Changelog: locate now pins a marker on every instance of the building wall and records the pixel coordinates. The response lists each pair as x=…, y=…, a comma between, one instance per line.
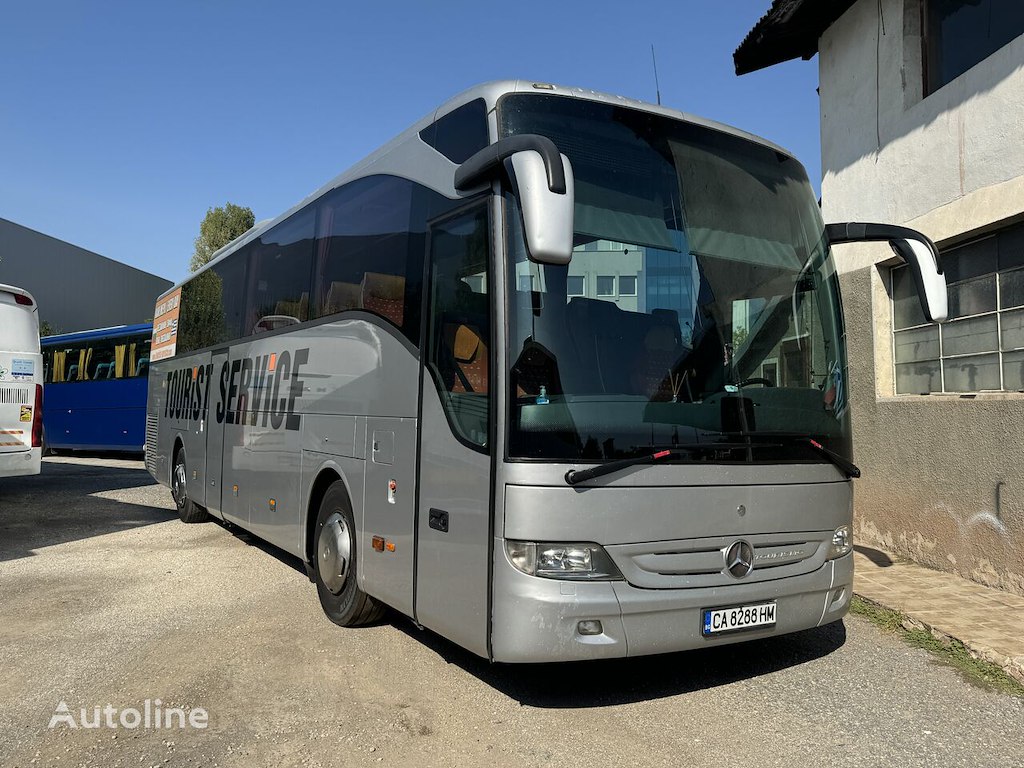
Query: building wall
x=76, y=289
x=943, y=474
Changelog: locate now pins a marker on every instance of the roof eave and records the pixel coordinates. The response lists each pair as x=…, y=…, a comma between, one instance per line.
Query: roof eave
x=790, y=29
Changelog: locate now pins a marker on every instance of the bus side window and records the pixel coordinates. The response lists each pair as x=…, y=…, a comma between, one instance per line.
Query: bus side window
x=280, y=271
x=102, y=361
x=369, y=255
x=461, y=133
x=459, y=341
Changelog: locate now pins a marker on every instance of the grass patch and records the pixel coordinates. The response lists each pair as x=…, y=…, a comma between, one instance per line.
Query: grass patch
x=950, y=652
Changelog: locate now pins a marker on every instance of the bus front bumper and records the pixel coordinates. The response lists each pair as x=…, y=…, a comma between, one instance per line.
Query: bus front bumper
x=538, y=620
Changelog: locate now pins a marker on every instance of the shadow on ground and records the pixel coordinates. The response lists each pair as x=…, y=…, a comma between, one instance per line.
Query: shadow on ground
x=880, y=559
x=612, y=682
x=255, y=541
x=624, y=681
x=68, y=502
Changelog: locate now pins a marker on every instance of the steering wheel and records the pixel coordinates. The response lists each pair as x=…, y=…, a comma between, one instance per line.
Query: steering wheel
x=756, y=380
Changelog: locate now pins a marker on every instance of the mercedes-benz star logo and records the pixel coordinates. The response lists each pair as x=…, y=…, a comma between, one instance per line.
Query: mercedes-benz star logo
x=739, y=559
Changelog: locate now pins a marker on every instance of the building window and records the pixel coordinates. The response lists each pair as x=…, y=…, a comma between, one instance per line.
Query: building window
x=981, y=346
x=627, y=285
x=576, y=285
x=960, y=33
x=606, y=285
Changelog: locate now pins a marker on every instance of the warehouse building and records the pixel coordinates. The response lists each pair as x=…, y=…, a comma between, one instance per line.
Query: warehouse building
x=76, y=289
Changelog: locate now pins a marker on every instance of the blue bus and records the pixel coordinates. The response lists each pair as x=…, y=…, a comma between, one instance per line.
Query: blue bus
x=95, y=389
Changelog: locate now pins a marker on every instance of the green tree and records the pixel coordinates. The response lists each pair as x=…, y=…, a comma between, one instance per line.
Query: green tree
x=219, y=227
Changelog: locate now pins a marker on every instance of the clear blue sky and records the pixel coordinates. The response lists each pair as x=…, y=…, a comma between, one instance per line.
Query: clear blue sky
x=121, y=123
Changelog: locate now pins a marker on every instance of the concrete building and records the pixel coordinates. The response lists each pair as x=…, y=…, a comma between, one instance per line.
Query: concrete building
x=922, y=119
x=76, y=289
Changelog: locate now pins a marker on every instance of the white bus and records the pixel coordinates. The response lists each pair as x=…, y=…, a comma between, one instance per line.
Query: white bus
x=21, y=384
x=555, y=374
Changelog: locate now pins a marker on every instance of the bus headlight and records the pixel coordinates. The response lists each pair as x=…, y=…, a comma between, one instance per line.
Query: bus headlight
x=842, y=542
x=562, y=561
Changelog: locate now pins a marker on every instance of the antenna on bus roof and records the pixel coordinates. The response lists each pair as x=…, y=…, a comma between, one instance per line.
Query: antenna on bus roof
x=657, y=88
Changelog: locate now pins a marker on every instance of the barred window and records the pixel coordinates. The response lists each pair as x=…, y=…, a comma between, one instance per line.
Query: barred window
x=981, y=346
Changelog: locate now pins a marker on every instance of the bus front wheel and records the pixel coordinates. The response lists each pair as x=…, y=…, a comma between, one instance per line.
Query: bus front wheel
x=188, y=510
x=334, y=563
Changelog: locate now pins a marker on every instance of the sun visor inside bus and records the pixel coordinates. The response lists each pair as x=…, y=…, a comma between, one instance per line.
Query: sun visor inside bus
x=743, y=248
x=733, y=277
x=748, y=195
x=613, y=215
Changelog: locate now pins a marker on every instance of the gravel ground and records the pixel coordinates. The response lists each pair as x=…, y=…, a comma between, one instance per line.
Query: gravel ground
x=105, y=598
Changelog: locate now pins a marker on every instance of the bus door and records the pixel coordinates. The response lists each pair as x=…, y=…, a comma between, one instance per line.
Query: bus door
x=453, y=521
x=215, y=441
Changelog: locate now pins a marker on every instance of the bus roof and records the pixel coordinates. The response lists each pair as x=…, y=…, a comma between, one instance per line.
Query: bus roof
x=491, y=92
x=112, y=332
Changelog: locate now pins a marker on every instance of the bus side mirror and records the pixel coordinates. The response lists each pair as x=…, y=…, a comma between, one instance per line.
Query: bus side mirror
x=547, y=215
x=913, y=248
x=542, y=180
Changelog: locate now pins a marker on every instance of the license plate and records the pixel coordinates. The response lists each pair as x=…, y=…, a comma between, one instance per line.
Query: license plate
x=720, y=620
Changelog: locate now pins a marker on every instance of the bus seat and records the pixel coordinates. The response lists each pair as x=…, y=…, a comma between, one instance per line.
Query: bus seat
x=623, y=351
x=536, y=367
x=604, y=338
x=463, y=356
x=273, y=322
x=142, y=366
x=101, y=371
x=342, y=296
x=297, y=309
x=653, y=370
x=470, y=354
x=385, y=295
x=72, y=372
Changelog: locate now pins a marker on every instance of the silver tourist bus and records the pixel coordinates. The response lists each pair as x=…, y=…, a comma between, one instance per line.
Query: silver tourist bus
x=555, y=374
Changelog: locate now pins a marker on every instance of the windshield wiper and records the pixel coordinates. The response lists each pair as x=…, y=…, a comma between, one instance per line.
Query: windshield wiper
x=846, y=466
x=574, y=476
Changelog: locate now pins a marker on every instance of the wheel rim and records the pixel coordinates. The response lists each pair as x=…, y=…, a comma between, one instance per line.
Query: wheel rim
x=334, y=552
x=178, y=484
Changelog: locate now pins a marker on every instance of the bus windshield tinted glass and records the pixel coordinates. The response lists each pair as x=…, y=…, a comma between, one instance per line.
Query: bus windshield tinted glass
x=701, y=302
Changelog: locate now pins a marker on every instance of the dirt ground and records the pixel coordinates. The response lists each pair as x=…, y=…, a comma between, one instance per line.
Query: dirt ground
x=106, y=599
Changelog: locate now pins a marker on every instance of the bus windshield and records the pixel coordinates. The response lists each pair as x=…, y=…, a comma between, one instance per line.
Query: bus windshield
x=701, y=305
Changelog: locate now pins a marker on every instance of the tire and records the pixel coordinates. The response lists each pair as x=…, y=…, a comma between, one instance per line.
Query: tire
x=188, y=510
x=334, y=563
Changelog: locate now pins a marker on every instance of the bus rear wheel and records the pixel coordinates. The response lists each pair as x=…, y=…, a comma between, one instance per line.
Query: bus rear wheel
x=334, y=563
x=188, y=510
